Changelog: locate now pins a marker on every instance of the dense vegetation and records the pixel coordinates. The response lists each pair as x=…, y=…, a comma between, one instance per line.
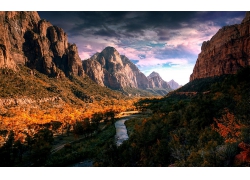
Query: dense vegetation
x=204, y=123
x=33, y=117
x=209, y=127
x=38, y=147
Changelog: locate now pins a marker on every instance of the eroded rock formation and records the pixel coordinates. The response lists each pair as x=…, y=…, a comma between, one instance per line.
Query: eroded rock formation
x=26, y=39
x=226, y=52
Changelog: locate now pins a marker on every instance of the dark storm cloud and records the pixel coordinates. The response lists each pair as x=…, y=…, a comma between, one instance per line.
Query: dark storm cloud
x=106, y=31
x=219, y=17
x=130, y=23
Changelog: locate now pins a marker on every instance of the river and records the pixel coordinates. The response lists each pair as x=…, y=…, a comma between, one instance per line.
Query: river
x=121, y=131
x=121, y=135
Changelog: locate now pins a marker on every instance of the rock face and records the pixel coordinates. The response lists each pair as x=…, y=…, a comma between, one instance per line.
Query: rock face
x=116, y=71
x=113, y=70
x=28, y=101
x=174, y=85
x=26, y=39
x=226, y=52
x=155, y=81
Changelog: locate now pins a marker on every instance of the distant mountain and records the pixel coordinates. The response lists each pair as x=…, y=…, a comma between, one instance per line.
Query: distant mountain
x=225, y=53
x=116, y=71
x=113, y=70
x=174, y=85
x=155, y=81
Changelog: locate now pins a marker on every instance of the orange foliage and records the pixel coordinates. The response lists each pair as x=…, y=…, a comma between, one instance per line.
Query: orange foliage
x=19, y=118
x=227, y=127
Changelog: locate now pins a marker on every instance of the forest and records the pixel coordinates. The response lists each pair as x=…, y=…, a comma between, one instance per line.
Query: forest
x=209, y=127
x=32, y=126
x=204, y=123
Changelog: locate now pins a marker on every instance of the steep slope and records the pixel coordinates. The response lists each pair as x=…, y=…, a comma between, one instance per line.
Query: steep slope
x=37, y=64
x=226, y=52
x=113, y=70
x=140, y=79
x=23, y=88
x=174, y=85
x=27, y=40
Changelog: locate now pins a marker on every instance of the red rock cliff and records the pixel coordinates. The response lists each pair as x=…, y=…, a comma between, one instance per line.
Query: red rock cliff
x=226, y=52
x=26, y=39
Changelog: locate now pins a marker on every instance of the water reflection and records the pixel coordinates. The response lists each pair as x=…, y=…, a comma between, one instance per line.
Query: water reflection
x=121, y=131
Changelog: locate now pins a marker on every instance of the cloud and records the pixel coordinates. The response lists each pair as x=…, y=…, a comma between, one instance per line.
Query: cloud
x=134, y=61
x=169, y=40
x=106, y=31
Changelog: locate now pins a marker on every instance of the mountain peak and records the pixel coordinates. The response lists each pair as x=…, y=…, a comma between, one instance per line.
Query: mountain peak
x=109, y=49
x=113, y=70
x=174, y=85
x=155, y=81
x=153, y=74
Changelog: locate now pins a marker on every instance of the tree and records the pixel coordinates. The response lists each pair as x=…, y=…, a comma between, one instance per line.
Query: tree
x=109, y=115
x=96, y=118
x=41, y=146
x=6, y=151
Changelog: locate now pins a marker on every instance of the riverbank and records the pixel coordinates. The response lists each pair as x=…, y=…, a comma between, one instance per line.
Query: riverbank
x=90, y=151
x=121, y=128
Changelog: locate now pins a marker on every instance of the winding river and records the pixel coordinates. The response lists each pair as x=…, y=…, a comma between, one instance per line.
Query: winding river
x=121, y=135
x=121, y=131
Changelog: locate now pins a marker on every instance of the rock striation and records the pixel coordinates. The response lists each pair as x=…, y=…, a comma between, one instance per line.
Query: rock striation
x=113, y=70
x=226, y=52
x=28, y=40
x=155, y=81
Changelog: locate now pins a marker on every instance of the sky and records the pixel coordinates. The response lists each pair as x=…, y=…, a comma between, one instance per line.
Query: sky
x=167, y=42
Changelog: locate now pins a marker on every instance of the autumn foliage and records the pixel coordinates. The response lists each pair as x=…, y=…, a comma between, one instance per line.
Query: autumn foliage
x=28, y=120
x=228, y=127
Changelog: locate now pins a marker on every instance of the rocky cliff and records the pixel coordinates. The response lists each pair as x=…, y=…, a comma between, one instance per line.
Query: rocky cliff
x=226, y=52
x=28, y=40
x=173, y=84
x=113, y=70
x=155, y=81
